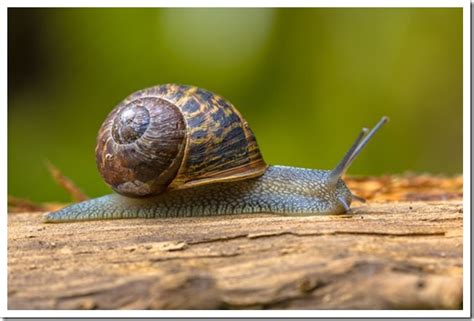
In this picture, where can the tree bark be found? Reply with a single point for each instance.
(385, 255)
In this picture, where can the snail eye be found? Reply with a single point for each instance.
(130, 124)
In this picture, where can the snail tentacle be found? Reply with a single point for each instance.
(177, 151)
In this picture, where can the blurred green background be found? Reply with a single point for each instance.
(306, 80)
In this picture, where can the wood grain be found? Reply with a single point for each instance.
(396, 255)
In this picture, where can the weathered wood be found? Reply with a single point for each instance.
(398, 255)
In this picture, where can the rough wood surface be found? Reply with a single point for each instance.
(386, 255)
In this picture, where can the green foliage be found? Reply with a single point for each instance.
(306, 80)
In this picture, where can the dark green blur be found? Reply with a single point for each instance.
(307, 80)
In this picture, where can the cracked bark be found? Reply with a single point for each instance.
(390, 255)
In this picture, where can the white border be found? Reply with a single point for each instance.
(256, 313)
(467, 211)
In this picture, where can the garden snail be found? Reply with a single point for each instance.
(174, 150)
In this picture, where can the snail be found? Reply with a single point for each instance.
(175, 150)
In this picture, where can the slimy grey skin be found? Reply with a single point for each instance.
(279, 190)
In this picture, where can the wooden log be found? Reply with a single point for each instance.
(385, 255)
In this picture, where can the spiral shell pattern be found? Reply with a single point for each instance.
(172, 137)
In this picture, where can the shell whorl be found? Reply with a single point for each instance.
(172, 137)
(140, 145)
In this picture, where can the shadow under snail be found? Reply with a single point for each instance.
(174, 150)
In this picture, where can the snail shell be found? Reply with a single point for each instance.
(172, 137)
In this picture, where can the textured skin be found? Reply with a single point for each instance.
(281, 190)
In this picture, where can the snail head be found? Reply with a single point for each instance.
(334, 180)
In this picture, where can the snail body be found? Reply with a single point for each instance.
(174, 150)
